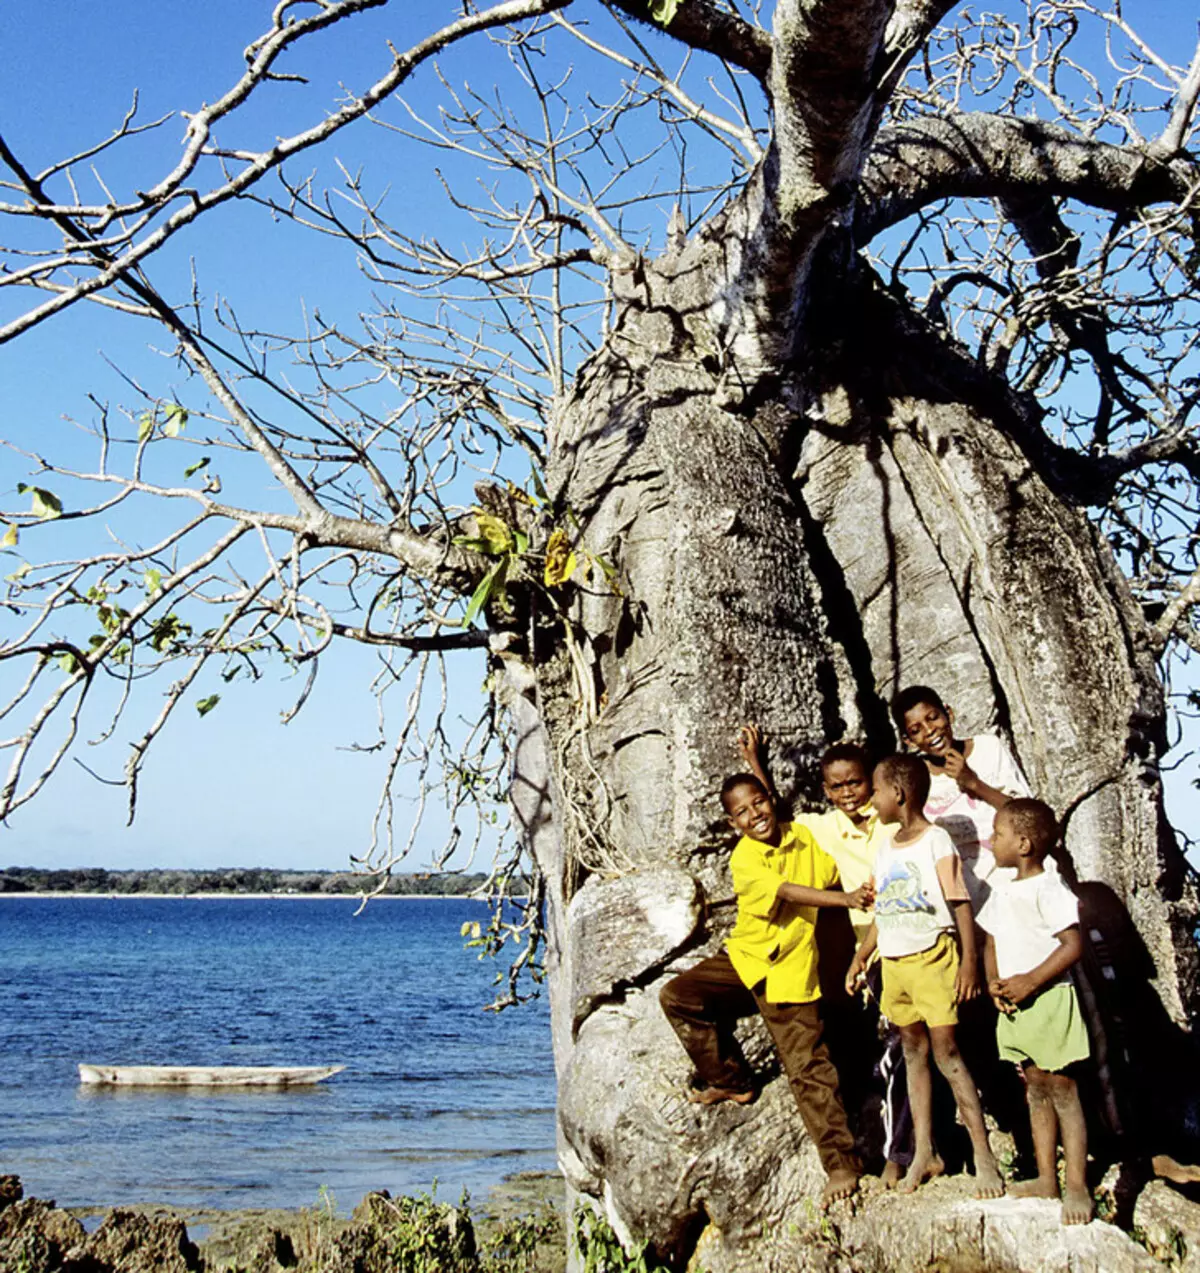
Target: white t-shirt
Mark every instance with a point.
(968, 820)
(913, 883)
(1023, 917)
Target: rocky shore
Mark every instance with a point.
(520, 1229)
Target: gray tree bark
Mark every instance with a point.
(796, 545)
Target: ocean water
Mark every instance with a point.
(435, 1088)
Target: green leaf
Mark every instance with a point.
(522, 541)
(205, 705)
(10, 538)
(539, 486)
(46, 504)
(479, 598)
(193, 469)
(176, 421)
(662, 11)
(153, 580)
(471, 543)
(21, 571)
(68, 662)
(145, 425)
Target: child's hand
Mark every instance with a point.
(996, 990)
(855, 978)
(958, 769)
(749, 743)
(863, 898)
(966, 984)
(1017, 989)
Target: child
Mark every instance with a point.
(849, 832)
(770, 966)
(1033, 937)
(969, 780)
(921, 901)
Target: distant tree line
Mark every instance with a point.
(32, 879)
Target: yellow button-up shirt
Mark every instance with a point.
(852, 848)
(772, 939)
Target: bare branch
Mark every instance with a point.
(919, 163)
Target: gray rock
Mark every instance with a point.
(624, 929)
(1168, 1225)
(131, 1242)
(35, 1236)
(943, 1227)
(10, 1190)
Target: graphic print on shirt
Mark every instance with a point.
(903, 905)
(899, 894)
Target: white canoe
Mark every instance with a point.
(206, 1075)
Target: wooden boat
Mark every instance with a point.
(206, 1075)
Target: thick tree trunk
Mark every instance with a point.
(792, 551)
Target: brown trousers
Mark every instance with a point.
(704, 1003)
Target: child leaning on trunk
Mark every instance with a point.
(1033, 938)
(769, 966)
(849, 830)
(921, 907)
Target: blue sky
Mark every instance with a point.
(236, 787)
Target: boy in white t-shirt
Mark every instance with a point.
(921, 903)
(1033, 938)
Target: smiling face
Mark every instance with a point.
(847, 785)
(929, 727)
(752, 812)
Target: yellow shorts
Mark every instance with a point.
(920, 987)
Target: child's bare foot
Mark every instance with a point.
(893, 1173)
(715, 1095)
(1077, 1206)
(988, 1181)
(1036, 1188)
(841, 1184)
(1166, 1167)
(923, 1168)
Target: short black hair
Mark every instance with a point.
(1035, 820)
(855, 752)
(739, 780)
(913, 696)
(910, 774)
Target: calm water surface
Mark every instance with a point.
(435, 1088)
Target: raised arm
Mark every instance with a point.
(753, 752)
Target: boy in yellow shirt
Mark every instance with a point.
(769, 966)
(850, 832)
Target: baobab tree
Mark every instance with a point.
(805, 350)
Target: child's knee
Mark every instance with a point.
(1038, 1094)
(669, 997)
(945, 1049)
(914, 1039)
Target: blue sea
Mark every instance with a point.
(435, 1088)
